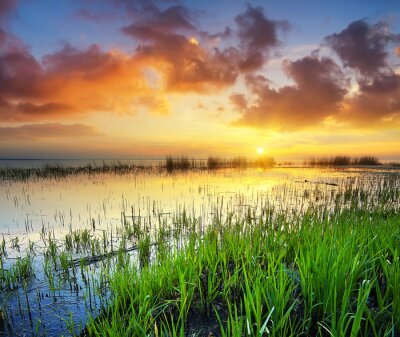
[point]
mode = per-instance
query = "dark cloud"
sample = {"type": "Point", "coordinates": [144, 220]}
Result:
{"type": "Point", "coordinates": [239, 101]}
{"type": "Point", "coordinates": [319, 90]}
{"type": "Point", "coordinates": [256, 31]}
{"type": "Point", "coordinates": [3, 36]}
{"type": "Point", "coordinates": [20, 73]}
{"type": "Point", "coordinates": [48, 131]}
{"type": "Point", "coordinates": [257, 35]}
{"type": "Point", "coordinates": [381, 84]}
{"type": "Point", "coordinates": [214, 39]}
{"type": "Point", "coordinates": [322, 89]}
{"type": "Point", "coordinates": [377, 102]}
{"type": "Point", "coordinates": [157, 23]}
{"type": "Point", "coordinates": [90, 64]}
{"type": "Point", "coordinates": [322, 76]}
{"type": "Point", "coordinates": [133, 8]}
{"type": "Point", "coordinates": [5, 7]}
{"type": "Point", "coordinates": [23, 112]}
{"type": "Point", "coordinates": [363, 47]}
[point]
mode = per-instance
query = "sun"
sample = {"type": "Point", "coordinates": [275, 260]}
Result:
{"type": "Point", "coordinates": [260, 150]}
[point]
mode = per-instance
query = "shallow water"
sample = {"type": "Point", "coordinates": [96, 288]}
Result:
{"type": "Point", "coordinates": [35, 209]}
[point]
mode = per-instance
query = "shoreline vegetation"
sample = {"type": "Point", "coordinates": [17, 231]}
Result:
{"type": "Point", "coordinates": [344, 161]}
{"type": "Point", "coordinates": [185, 163]}
{"type": "Point", "coordinates": [318, 273]}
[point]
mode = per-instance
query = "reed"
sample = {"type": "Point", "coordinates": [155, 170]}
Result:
{"type": "Point", "coordinates": [343, 161]}
{"type": "Point", "coordinates": [277, 274]}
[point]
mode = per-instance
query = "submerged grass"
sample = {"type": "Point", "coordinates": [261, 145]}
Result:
{"type": "Point", "coordinates": [17, 274]}
{"type": "Point", "coordinates": [315, 274]}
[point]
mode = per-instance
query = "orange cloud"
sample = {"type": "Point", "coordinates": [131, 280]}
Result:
{"type": "Point", "coordinates": [320, 87]}
{"type": "Point", "coordinates": [48, 131]}
{"type": "Point", "coordinates": [71, 82]}
{"type": "Point", "coordinates": [173, 56]}
{"type": "Point", "coordinates": [167, 41]}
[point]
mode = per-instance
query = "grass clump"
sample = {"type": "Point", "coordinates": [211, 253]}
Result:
{"type": "Point", "coordinates": [367, 160]}
{"type": "Point", "coordinates": [277, 275]}
{"type": "Point", "coordinates": [344, 161]}
{"type": "Point", "coordinates": [182, 163]}
{"type": "Point", "coordinates": [21, 271]}
{"type": "Point", "coordinates": [214, 162]}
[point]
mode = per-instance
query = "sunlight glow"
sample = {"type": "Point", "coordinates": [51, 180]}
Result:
{"type": "Point", "coordinates": [193, 41]}
{"type": "Point", "coordinates": [260, 150]}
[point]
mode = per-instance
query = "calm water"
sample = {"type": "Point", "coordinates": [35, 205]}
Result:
{"type": "Point", "coordinates": [36, 209]}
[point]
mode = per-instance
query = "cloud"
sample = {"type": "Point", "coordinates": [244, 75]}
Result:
{"type": "Point", "coordinates": [363, 47]}
{"type": "Point", "coordinates": [70, 83]}
{"type": "Point", "coordinates": [381, 84]}
{"type": "Point", "coordinates": [323, 94]}
{"type": "Point", "coordinates": [239, 101]}
{"type": "Point", "coordinates": [172, 55]}
{"type": "Point", "coordinates": [257, 35]}
{"type": "Point", "coordinates": [155, 25]}
{"type": "Point", "coordinates": [377, 102]}
{"type": "Point", "coordinates": [320, 87]}
{"type": "Point", "coordinates": [23, 112]}
{"type": "Point", "coordinates": [90, 64]}
{"type": "Point", "coordinates": [192, 60]}
{"type": "Point", "coordinates": [168, 42]}
{"type": "Point", "coordinates": [20, 73]}
{"type": "Point", "coordinates": [48, 131]}
{"type": "Point", "coordinates": [5, 7]}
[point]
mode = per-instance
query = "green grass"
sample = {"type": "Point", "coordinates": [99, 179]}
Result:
{"type": "Point", "coordinates": [276, 275]}
{"type": "Point", "coordinates": [15, 276]}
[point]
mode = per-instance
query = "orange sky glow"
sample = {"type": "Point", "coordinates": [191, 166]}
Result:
{"type": "Point", "coordinates": [170, 86]}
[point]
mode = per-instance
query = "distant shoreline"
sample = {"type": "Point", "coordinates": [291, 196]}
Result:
{"type": "Point", "coordinates": [58, 169]}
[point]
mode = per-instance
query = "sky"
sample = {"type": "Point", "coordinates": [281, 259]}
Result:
{"type": "Point", "coordinates": [150, 78]}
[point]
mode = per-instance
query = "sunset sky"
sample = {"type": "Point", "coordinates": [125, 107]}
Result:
{"type": "Point", "coordinates": [143, 79]}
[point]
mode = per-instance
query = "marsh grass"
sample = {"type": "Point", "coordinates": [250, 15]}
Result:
{"type": "Point", "coordinates": [344, 161]}
{"type": "Point", "coordinates": [276, 275]}
{"type": "Point", "coordinates": [15, 276]}
{"type": "Point", "coordinates": [176, 163]}
{"type": "Point", "coordinates": [59, 171]}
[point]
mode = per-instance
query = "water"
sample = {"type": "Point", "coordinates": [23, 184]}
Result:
{"type": "Point", "coordinates": [36, 212]}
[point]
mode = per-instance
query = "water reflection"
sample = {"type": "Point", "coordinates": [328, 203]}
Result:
{"type": "Point", "coordinates": [38, 212]}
